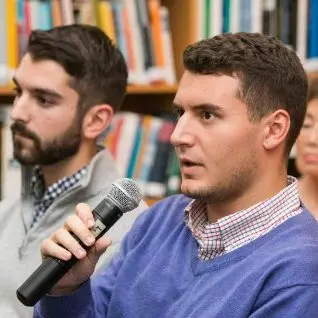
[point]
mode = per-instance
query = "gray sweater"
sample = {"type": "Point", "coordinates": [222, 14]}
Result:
{"type": "Point", "coordinates": [20, 249]}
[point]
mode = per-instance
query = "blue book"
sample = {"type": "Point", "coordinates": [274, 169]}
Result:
{"type": "Point", "coordinates": [44, 15]}
{"type": "Point", "coordinates": [245, 15]}
{"type": "Point", "coordinates": [135, 152]}
{"type": "Point", "coordinates": [313, 30]}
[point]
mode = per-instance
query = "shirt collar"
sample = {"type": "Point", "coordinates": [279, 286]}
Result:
{"type": "Point", "coordinates": [38, 185]}
{"type": "Point", "coordinates": [239, 228]}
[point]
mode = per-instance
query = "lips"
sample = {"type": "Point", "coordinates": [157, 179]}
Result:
{"type": "Point", "coordinates": [21, 135]}
{"type": "Point", "coordinates": [311, 158]}
{"type": "Point", "coordinates": [188, 162]}
{"type": "Point", "coordinates": [189, 167]}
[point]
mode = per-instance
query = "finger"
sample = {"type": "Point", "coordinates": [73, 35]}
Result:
{"type": "Point", "coordinates": [64, 238]}
{"type": "Point", "coordinates": [50, 248]}
{"type": "Point", "coordinates": [98, 249]}
{"type": "Point", "coordinates": [84, 212]}
{"type": "Point", "coordinates": [76, 226]}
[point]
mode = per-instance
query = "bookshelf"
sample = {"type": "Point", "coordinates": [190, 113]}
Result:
{"type": "Point", "coordinates": [155, 89]}
{"type": "Point", "coordinates": [138, 98]}
{"type": "Point", "coordinates": [151, 97]}
{"type": "Point", "coordinates": [192, 20]}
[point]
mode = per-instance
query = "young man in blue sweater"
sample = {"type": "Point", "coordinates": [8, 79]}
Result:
{"type": "Point", "coordinates": [238, 242]}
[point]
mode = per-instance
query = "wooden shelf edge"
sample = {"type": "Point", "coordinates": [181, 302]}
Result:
{"type": "Point", "coordinates": [6, 91]}
{"type": "Point", "coordinates": [152, 89]}
{"type": "Point", "coordinates": [132, 89]}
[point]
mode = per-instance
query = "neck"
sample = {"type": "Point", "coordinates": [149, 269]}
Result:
{"type": "Point", "coordinates": [53, 173]}
{"type": "Point", "coordinates": [260, 190]}
{"type": "Point", "coordinates": [308, 189]}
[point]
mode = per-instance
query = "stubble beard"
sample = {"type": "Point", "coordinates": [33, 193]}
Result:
{"type": "Point", "coordinates": [229, 188]}
{"type": "Point", "coordinates": [46, 152]}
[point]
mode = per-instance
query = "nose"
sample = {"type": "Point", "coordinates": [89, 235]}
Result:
{"type": "Point", "coordinates": [20, 110]}
{"type": "Point", "coordinates": [182, 134]}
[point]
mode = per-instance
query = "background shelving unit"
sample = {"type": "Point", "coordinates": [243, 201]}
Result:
{"type": "Point", "coordinates": [191, 20]}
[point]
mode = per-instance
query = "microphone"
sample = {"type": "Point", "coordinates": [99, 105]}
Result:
{"type": "Point", "coordinates": [122, 196]}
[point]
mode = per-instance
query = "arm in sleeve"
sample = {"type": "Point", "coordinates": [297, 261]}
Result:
{"type": "Point", "coordinates": [78, 304]}
{"type": "Point", "coordinates": [294, 301]}
{"type": "Point", "coordinates": [92, 298]}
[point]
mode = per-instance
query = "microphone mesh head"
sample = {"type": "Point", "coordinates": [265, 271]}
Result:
{"type": "Point", "coordinates": [125, 194]}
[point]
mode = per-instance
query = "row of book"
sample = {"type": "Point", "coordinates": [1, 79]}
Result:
{"type": "Point", "coordinates": [140, 28]}
{"type": "Point", "coordinates": [293, 21]}
{"type": "Point", "coordinates": [140, 145]}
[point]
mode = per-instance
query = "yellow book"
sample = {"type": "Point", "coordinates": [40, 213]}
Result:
{"type": "Point", "coordinates": [12, 36]}
{"type": "Point", "coordinates": [106, 19]}
{"type": "Point", "coordinates": [96, 12]}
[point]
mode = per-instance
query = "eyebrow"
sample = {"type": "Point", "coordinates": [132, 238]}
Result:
{"type": "Point", "coordinates": [41, 91]}
{"type": "Point", "coordinates": [309, 116]}
{"type": "Point", "coordinates": [204, 106]}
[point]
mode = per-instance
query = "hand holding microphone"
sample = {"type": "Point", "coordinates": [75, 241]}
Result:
{"type": "Point", "coordinates": [70, 255]}
{"type": "Point", "coordinates": [63, 245]}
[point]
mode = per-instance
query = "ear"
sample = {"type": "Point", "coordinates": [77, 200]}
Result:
{"type": "Point", "coordinates": [277, 126]}
{"type": "Point", "coordinates": [96, 120]}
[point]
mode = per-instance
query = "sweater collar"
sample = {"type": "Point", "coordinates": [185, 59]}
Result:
{"type": "Point", "coordinates": [241, 227]}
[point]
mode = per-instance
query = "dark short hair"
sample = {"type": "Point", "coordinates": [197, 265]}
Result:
{"type": "Point", "coordinates": [96, 66]}
{"type": "Point", "coordinates": [271, 75]}
{"type": "Point", "coordinates": [313, 89]}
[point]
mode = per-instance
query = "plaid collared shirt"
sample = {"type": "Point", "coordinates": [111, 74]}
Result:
{"type": "Point", "coordinates": [43, 199]}
{"type": "Point", "coordinates": [240, 228]}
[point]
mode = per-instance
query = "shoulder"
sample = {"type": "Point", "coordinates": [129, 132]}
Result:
{"type": "Point", "coordinates": [8, 203]}
{"type": "Point", "coordinates": [291, 256]}
{"type": "Point", "coordinates": [101, 173]}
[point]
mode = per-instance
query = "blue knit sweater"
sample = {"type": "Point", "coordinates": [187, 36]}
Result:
{"type": "Point", "coordinates": [158, 274]}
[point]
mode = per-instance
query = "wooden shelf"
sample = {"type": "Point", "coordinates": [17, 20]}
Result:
{"type": "Point", "coordinates": [6, 91]}
{"type": "Point", "coordinates": [132, 89]}
{"type": "Point", "coordinates": [152, 89]}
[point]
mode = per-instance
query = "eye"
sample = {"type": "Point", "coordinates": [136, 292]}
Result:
{"type": "Point", "coordinates": [306, 125]}
{"type": "Point", "coordinates": [178, 112]}
{"type": "Point", "coordinates": [43, 101]}
{"type": "Point", "coordinates": [206, 115]}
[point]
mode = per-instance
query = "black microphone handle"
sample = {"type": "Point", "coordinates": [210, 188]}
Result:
{"type": "Point", "coordinates": [106, 214]}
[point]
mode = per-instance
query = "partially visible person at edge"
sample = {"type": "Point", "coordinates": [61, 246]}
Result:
{"type": "Point", "coordinates": [307, 152]}
{"type": "Point", "coordinates": [68, 85]}
{"type": "Point", "coordinates": [237, 243]}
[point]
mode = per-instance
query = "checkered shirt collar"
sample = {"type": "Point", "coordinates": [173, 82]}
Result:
{"type": "Point", "coordinates": [237, 229]}
{"type": "Point", "coordinates": [43, 199]}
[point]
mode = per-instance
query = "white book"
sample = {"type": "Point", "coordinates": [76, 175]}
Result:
{"type": "Point", "coordinates": [34, 14]}
{"type": "Point", "coordinates": [302, 29]}
{"type": "Point", "coordinates": [169, 68]}
{"type": "Point", "coordinates": [310, 65]}
{"type": "Point", "coordinates": [257, 16]}
{"type": "Point", "coordinates": [235, 16]}
{"type": "Point", "coordinates": [67, 12]}
{"type": "Point", "coordinates": [138, 76]}
{"type": "Point", "coordinates": [216, 16]}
